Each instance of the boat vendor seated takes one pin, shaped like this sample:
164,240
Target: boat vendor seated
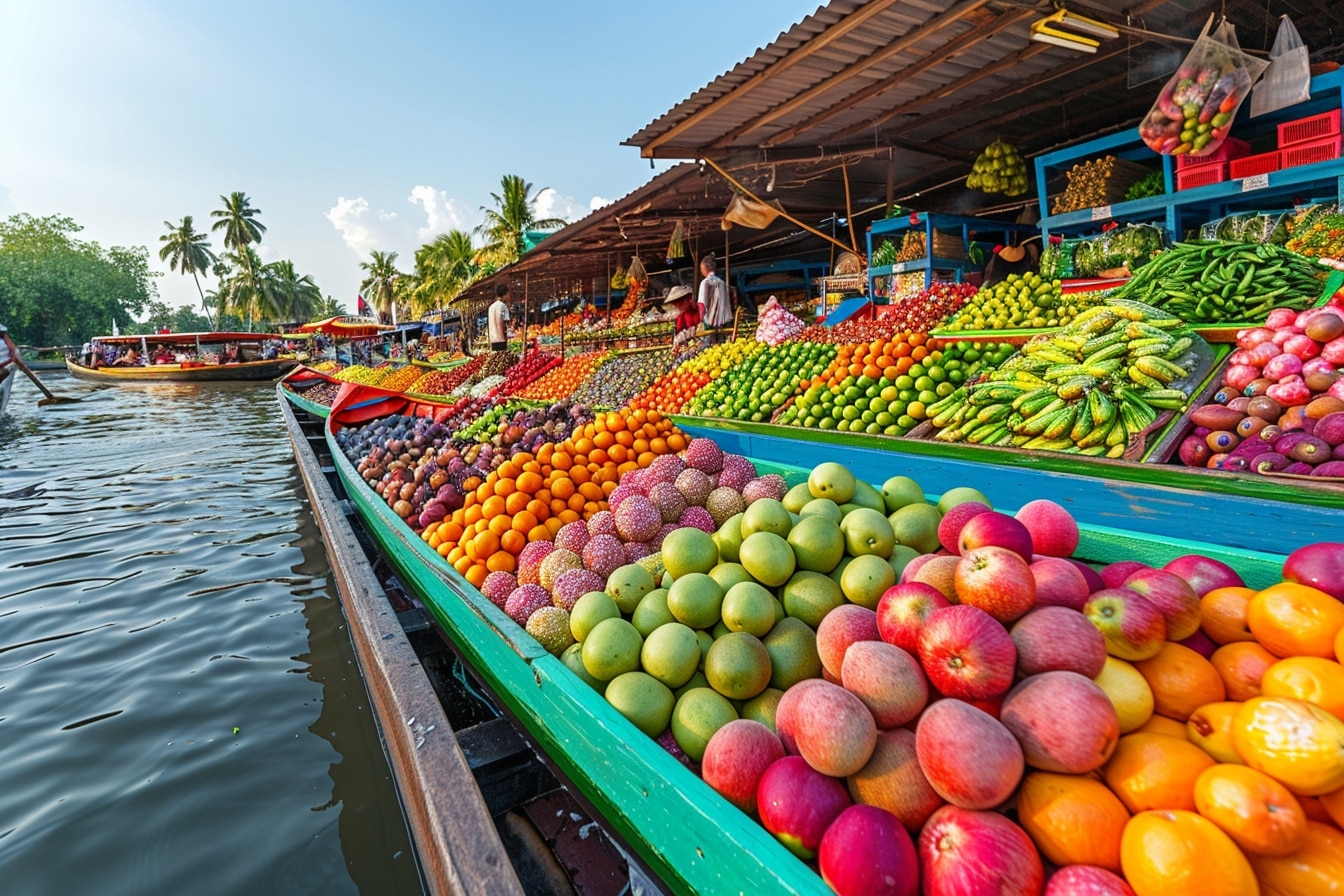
130,359
230,355
682,299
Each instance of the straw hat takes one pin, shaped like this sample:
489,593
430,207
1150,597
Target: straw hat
676,294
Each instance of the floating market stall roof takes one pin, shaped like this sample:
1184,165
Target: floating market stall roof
346,327
212,337
912,90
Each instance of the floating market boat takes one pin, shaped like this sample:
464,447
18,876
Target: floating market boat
667,819
196,357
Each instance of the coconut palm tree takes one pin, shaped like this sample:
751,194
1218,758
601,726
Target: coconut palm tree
238,220
380,286
443,268
284,295
187,251
239,292
514,214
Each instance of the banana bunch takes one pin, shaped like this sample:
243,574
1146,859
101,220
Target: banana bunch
1000,168
1091,388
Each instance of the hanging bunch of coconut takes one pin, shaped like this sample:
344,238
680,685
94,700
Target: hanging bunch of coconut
999,169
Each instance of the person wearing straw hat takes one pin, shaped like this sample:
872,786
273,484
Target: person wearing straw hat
1019,259
688,314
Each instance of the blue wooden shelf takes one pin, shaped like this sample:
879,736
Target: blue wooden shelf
997,231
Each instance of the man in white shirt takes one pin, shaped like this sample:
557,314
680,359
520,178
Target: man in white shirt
497,318
715,310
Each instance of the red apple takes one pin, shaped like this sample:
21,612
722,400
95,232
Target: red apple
786,715
1204,574
1064,722
1115,574
735,759
835,732
797,804
1059,583
1057,638
994,529
1053,529
1319,565
888,680
997,580
966,853
966,653
913,566
949,529
1086,880
903,610
1134,629
1172,595
841,627
968,756
866,852
1094,580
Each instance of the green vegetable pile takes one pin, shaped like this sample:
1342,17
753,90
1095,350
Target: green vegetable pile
1212,282
1151,184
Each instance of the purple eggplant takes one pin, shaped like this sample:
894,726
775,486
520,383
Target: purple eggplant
1330,428
1297,468
1308,449
1332,469
1269,461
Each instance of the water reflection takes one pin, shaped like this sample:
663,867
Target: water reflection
180,706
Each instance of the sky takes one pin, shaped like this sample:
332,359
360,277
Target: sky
351,126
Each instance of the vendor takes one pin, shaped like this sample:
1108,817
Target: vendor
1007,260
681,298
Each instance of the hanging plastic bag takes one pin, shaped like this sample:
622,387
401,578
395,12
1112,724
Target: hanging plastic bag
1287,81
1196,107
636,273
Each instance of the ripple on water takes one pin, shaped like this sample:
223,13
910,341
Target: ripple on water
175,712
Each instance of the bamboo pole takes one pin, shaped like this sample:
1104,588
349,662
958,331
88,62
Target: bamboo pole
849,207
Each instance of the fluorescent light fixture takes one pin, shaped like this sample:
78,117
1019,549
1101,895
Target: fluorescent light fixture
1072,31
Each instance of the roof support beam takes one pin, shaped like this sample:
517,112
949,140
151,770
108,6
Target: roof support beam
934,59
896,47
841,28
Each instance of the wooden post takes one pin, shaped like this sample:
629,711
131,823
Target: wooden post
525,309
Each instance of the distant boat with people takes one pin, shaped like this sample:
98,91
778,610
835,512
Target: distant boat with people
186,357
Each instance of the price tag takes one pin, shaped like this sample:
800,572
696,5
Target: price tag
1254,182
1101,212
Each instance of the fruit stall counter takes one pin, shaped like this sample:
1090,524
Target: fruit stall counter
594,699
936,230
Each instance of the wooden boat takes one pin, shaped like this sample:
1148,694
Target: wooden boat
205,349
673,824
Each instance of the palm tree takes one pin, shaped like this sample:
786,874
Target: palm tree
328,307
514,214
443,268
380,286
240,291
238,220
187,251
285,296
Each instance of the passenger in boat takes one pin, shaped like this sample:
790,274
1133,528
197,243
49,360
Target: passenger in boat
230,355
87,356
497,319
163,355
130,359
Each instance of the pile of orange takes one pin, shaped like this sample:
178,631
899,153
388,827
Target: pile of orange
1235,783
529,497
879,359
563,380
670,392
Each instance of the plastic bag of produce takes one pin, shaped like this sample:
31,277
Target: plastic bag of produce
1195,109
1248,227
1287,81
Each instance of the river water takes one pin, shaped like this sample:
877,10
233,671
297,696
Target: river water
180,704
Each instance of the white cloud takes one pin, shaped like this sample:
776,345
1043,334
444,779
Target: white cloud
357,223
598,202
442,212
550,204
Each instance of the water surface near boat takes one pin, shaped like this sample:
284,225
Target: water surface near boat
180,705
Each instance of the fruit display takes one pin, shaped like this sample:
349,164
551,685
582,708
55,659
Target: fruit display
616,381
999,169
670,392
1019,301
1118,252
322,392
1317,232
443,382
929,307
533,364
329,366
1195,108
754,389
1215,282
885,386
364,375
776,325
401,379
1093,387
1281,405
1097,182
560,381
885,254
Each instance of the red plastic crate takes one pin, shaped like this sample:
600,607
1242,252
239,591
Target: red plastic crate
1309,129
1310,153
1250,166
1201,175
1229,149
